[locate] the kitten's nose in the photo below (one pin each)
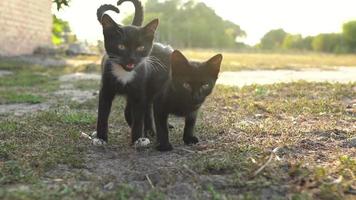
(131, 60)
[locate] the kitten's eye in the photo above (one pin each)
(205, 86)
(186, 86)
(121, 47)
(140, 48)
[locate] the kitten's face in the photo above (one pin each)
(127, 45)
(194, 80)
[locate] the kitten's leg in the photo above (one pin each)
(188, 136)
(105, 101)
(128, 116)
(162, 130)
(149, 123)
(138, 115)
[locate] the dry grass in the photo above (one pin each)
(238, 61)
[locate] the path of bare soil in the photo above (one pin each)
(5, 73)
(240, 79)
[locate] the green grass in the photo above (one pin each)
(77, 118)
(24, 79)
(42, 154)
(15, 97)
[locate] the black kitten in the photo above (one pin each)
(183, 94)
(125, 72)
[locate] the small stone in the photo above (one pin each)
(259, 116)
(351, 143)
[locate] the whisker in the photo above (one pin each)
(157, 64)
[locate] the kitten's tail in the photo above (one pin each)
(138, 18)
(104, 8)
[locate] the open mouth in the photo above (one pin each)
(129, 67)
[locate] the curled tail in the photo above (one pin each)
(104, 8)
(138, 18)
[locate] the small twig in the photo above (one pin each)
(84, 135)
(206, 151)
(273, 153)
(149, 181)
(190, 170)
(335, 181)
(187, 150)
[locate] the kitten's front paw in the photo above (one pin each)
(164, 147)
(142, 143)
(98, 142)
(94, 134)
(190, 140)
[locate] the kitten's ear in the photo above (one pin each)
(151, 27)
(214, 64)
(179, 63)
(107, 22)
(178, 58)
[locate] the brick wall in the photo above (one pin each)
(24, 25)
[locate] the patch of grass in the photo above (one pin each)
(6, 150)
(88, 84)
(78, 118)
(14, 65)
(221, 164)
(15, 97)
(154, 195)
(216, 195)
(124, 192)
(67, 191)
(293, 98)
(264, 117)
(8, 126)
(24, 79)
(335, 185)
(41, 191)
(43, 141)
(14, 172)
(301, 196)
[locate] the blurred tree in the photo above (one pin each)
(349, 34)
(344, 42)
(306, 43)
(292, 42)
(61, 32)
(328, 42)
(273, 39)
(189, 24)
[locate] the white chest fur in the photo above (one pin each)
(122, 75)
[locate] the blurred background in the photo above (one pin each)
(244, 26)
